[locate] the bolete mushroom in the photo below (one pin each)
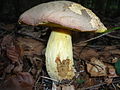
(63, 16)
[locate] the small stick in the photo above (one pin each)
(49, 78)
(112, 36)
(103, 83)
(92, 39)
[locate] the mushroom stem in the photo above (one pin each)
(59, 55)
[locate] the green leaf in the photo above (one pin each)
(112, 29)
(80, 81)
(117, 67)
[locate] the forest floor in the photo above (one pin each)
(22, 59)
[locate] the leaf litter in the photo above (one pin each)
(22, 63)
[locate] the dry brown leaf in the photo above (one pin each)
(8, 26)
(89, 82)
(68, 87)
(87, 54)
(22, 81)
(109, 48)
(18, 68)
(13, 52)
(116, 51)
(9, 68)
(111, 71)
(30, 46)
(108, 80)
(63, 87)
(108, 53)
(96, 68)
(6, 41)
(11, 48)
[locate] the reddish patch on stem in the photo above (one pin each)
(65, 71)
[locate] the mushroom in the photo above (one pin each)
(63, 16)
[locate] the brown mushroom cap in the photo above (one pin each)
(62, 13)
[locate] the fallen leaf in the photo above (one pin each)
(63, 87)
(111, 71)
(9, 68)
(11, 48)
(107, 48)
(18, 68)
(30, 46)
(34, 32)
(6, 41)
(108, 53)
(8, 26)
(68, 87)
(104, 55)
(87, 54)
(116, 51)
(32, 49)
(89, 82)
(14, 68)
(13, 52)
(108, 80)
(22, 81)
(96, 68)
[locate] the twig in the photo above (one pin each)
(38, 39)
(114, 86)
(49, 79)
(36, 83)
(91, 87)
(112, 36)
(30, 69)
(92, 39)
(106, 33)
(102, 46)
(3, 33)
